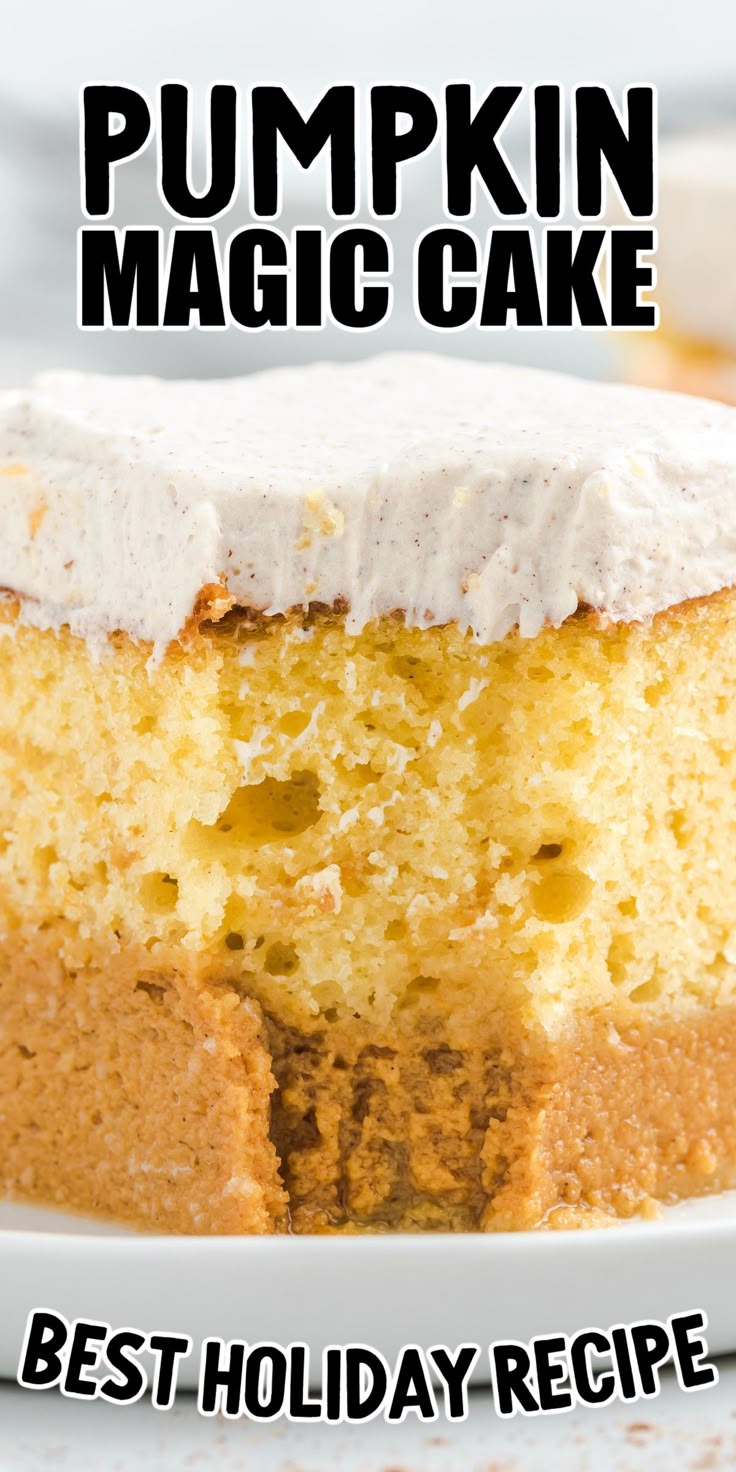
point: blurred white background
(50, 47)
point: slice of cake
(694, 350)
(367, 798)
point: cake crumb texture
(461, 904)
(341, 822)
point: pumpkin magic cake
(367, 798)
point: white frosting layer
(696, 221)
(454, 491)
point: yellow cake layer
(342, 821)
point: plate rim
(586, 1240)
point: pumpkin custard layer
(399, 895)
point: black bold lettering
(353, 302)
(511, 281)
(455, 1373)
(116, 273)
(651, 1347)
(511, 1367)
(389, 147)
(81, 1357)
(257, 285)
(471, 145)
(103, 149)
(548, 151)
(620, 1342)
(332, 1384)
(592, 1392)
(128, 1381)
(46, 1336)
(331, 121)
(570, 272)
(366, 1382)
(265, 1382)
(168, 1348)
(411, 1390)
(629, 276)
(308, 263)
(193, 283)
(547, 1374)
(441, 254)
(193, 280)
(625, 147)
(301, 1408)
(218, 1374)
(690, 1348)
(176, 151)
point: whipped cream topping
(483, 494)
(696, 223)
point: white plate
(382, 1291)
